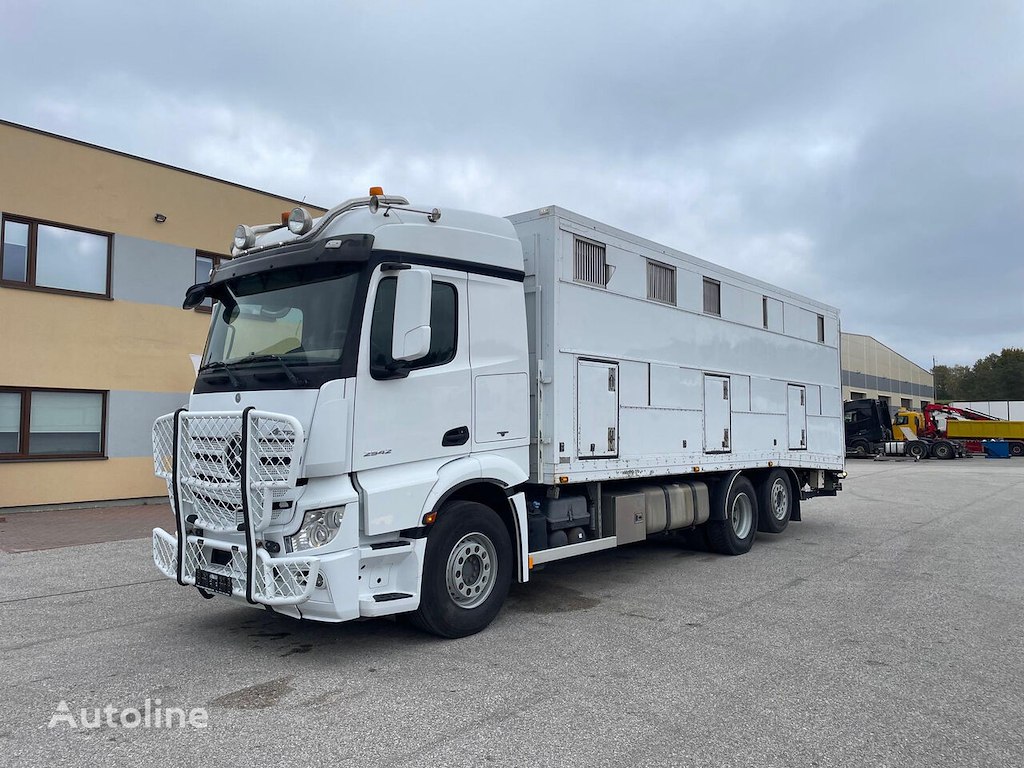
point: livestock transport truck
(402, 410)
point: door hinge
(725, 390)
(802, 393)
(611, 439)
(611, 379)
(725, 437)
(803, 438)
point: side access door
(597, 409)
(796, 413)
(717, 414)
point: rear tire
(917, 449)
(943, 450)
(467, 571)
(1017, 449)
(738, 504)
(774, 502)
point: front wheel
(735, 534)
(860, 448)
(467, 571)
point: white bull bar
(223, 470)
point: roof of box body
(672, 253)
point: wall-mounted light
(159, 218)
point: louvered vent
(661, 282)
(589, 264)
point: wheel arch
(507, 502)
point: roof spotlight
(299, 221)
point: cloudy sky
(868, 154)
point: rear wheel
(735, 534)
(775, 502)
(943, 450)
(467, 571)
(917, 449)
(1017, 449)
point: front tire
(775, 502)
(467, 571)
(860, 448)
(738, 504)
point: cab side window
(443, 328)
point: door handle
(457, 436)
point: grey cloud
(865, 153)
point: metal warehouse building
(871, 369)
(96, 251)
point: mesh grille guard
(226, 467)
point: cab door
(418, 413)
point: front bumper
(279, 580)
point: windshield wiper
(295, 380)
(219, 366)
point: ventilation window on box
(661, 282)
(712, 296)
(589, 264)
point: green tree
(995, 377)
(950, 381)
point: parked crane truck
(402, 410)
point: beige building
(870, 369)
(96, 250)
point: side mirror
(195, 296)
(410, 339)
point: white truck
(402, 410)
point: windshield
(297, 316)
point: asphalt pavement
(887, 629)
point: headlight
(319, 527)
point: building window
(54, 257)
(821, 329)
(205, 264)
(589, 263)
(712, 296)
(905, 403)
(661, 282)
(51, 423)
(443, 329)
(857, 395)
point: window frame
(25, 426)
(706, 281)
(821, 329)
(217, 259)
(672, 281)
(31, 256)
(405, 368)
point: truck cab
(353, 388)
